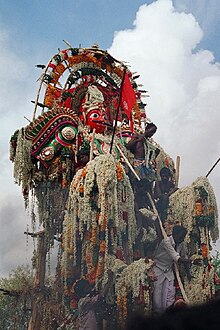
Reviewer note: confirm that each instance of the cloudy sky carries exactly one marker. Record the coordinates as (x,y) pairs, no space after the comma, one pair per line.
(174,45)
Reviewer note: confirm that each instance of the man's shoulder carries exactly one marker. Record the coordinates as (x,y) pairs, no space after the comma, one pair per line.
(168,240)
(171,240)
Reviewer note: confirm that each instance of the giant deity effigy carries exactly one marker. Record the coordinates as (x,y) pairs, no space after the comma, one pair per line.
(78,178)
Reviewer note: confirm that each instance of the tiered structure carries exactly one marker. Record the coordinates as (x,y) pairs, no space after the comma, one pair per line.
(72,159)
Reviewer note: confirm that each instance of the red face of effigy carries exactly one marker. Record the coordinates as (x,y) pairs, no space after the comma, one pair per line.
(94,110)
(95,119)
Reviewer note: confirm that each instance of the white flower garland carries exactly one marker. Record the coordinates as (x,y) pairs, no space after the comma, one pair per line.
(204,182)
(129,278)
(133,276)
(198,290)
(102,172)
(163,160)
(23,164)
(181,209)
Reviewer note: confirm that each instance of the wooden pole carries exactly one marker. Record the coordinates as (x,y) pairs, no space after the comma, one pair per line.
(177,174)
(180,283)
(157,214)
(92,146)
(127,162)
(118,108)
(39,284)
(212,168)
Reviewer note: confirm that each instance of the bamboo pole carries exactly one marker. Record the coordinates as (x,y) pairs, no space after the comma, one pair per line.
(177,174)
(92,146)
(212,168)
(127,162)
(39,283)
(39,89)
(118,108)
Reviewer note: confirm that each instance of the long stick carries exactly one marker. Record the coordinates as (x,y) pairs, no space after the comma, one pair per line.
(39,282)
(118,108)
(128,163)
(177,174)
(92,145)
(157,214)
(212,168)
(165,236)
(180,283)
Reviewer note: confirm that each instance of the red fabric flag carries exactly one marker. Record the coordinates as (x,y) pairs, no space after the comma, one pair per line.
(128,97)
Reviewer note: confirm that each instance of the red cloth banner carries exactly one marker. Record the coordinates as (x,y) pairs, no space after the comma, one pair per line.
(128,97)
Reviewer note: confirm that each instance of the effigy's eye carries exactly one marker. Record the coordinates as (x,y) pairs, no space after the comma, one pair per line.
(94,115)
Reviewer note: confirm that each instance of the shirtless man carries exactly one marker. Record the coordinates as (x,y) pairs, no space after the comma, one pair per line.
(143,152)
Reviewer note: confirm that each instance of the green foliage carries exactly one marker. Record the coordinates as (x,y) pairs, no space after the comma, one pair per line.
(15,308)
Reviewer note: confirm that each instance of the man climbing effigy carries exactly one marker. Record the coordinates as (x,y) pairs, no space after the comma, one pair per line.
(87,303)
(169,250)
(144,152)
(162,191)
(164,257)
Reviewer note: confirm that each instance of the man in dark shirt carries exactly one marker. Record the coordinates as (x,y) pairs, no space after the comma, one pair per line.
(162,191)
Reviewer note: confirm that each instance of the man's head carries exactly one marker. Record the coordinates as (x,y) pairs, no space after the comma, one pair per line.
(82,288)
(179,233)
(150,130)
(83,156)
(165,174)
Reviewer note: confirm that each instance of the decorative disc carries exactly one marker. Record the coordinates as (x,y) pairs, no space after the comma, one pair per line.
(47,153)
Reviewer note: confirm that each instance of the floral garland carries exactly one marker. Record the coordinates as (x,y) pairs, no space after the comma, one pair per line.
(181,209)
(163,160)
(100,215)
(134,279)
(23,164)
(185,207)
(133,276)
(199,289)
(126,216)
(149,235)
(202,185)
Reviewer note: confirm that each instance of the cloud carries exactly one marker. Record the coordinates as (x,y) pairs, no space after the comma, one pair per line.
(16,92)
(13,71)
(16,89)
(206,12)
(183,82)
